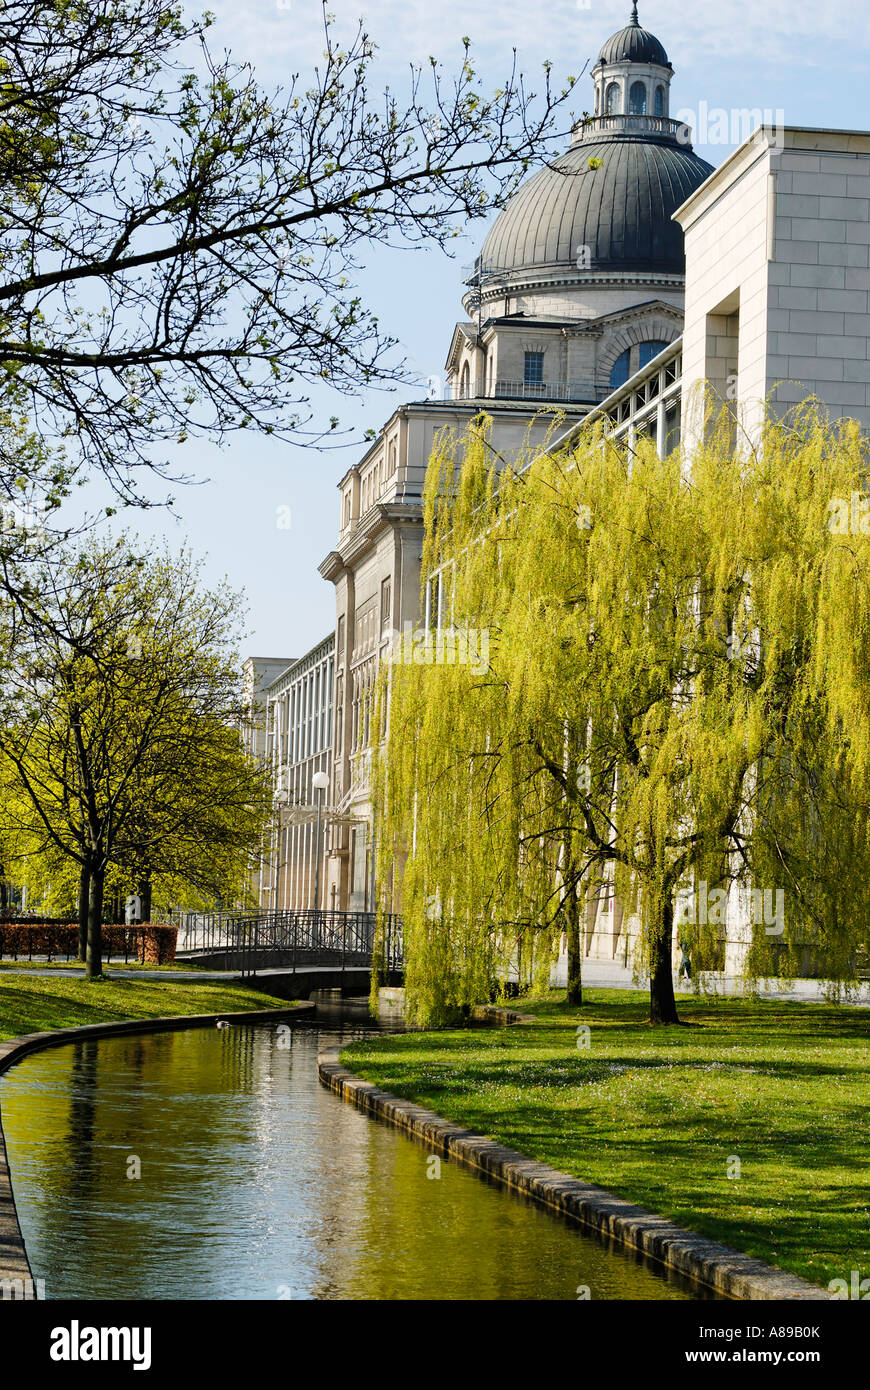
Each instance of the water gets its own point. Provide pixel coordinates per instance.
(258, 1183)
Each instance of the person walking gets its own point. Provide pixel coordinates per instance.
(685, 961)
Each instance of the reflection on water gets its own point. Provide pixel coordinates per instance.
(256, 1182)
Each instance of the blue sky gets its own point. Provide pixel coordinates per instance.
(808, 61)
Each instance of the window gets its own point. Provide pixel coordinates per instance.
(364, 634)
(660, 100)
(533, 368)
(464, 383)
(611, 100)
(619, 371)
(339, 640)
(637, 99)
(346, 518)
(672, 429)
(647, 351)
(386, 602)
(339, 713)
(391, 457)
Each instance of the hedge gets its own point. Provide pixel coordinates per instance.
(152, 942)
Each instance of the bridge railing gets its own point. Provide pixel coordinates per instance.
(251, 940)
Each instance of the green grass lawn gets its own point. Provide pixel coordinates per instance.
(33, 1004)
(658, 1115)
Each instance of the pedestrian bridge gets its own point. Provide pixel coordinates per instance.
(301, 942)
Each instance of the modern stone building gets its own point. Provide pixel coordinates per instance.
(778, 274)
(777, 310)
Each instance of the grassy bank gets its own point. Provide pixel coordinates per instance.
(662, 1116)
(32, 1004)
(108, 965)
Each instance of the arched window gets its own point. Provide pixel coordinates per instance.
(619, 370)
(637, 99)
(464, 382)
(647, 351)
(660, 100)
(611, 99)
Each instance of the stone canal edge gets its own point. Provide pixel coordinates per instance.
(717, 1266)
(16, 1279)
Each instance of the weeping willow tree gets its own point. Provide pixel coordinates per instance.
(650, 674)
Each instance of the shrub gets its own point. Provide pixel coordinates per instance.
(151, 942)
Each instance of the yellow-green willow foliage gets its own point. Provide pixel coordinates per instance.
(677, 692)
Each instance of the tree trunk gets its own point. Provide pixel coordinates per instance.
(84, 896)
(662, 1005)
(574, 992)
(145, 897)
(94, 968)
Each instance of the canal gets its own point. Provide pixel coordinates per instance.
(212, 1164)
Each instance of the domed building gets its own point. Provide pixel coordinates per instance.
(577, 309)
(581, 278)
(579, 284)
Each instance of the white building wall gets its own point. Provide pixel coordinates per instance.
(726, 231)
(783, 231)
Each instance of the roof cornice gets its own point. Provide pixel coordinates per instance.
(366, 532)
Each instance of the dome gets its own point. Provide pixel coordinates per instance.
(621, 210)
(633, 45)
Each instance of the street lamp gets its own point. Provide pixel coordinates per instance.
(280, 800)
(320, 781)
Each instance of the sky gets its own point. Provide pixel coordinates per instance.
(807, 62)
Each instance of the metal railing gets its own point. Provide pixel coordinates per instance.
(502, 389)
(254, 940)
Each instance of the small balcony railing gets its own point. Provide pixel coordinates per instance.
(595, 126)
(544, 391)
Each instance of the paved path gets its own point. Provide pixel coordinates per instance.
(597, 974)
(229, 977)
(605, 974)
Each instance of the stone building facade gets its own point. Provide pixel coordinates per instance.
(292, 732)
(579, 284)
(617, 282)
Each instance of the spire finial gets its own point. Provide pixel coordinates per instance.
(634, 18)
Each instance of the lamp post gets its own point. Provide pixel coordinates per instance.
(320, 781)
(281, 801)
